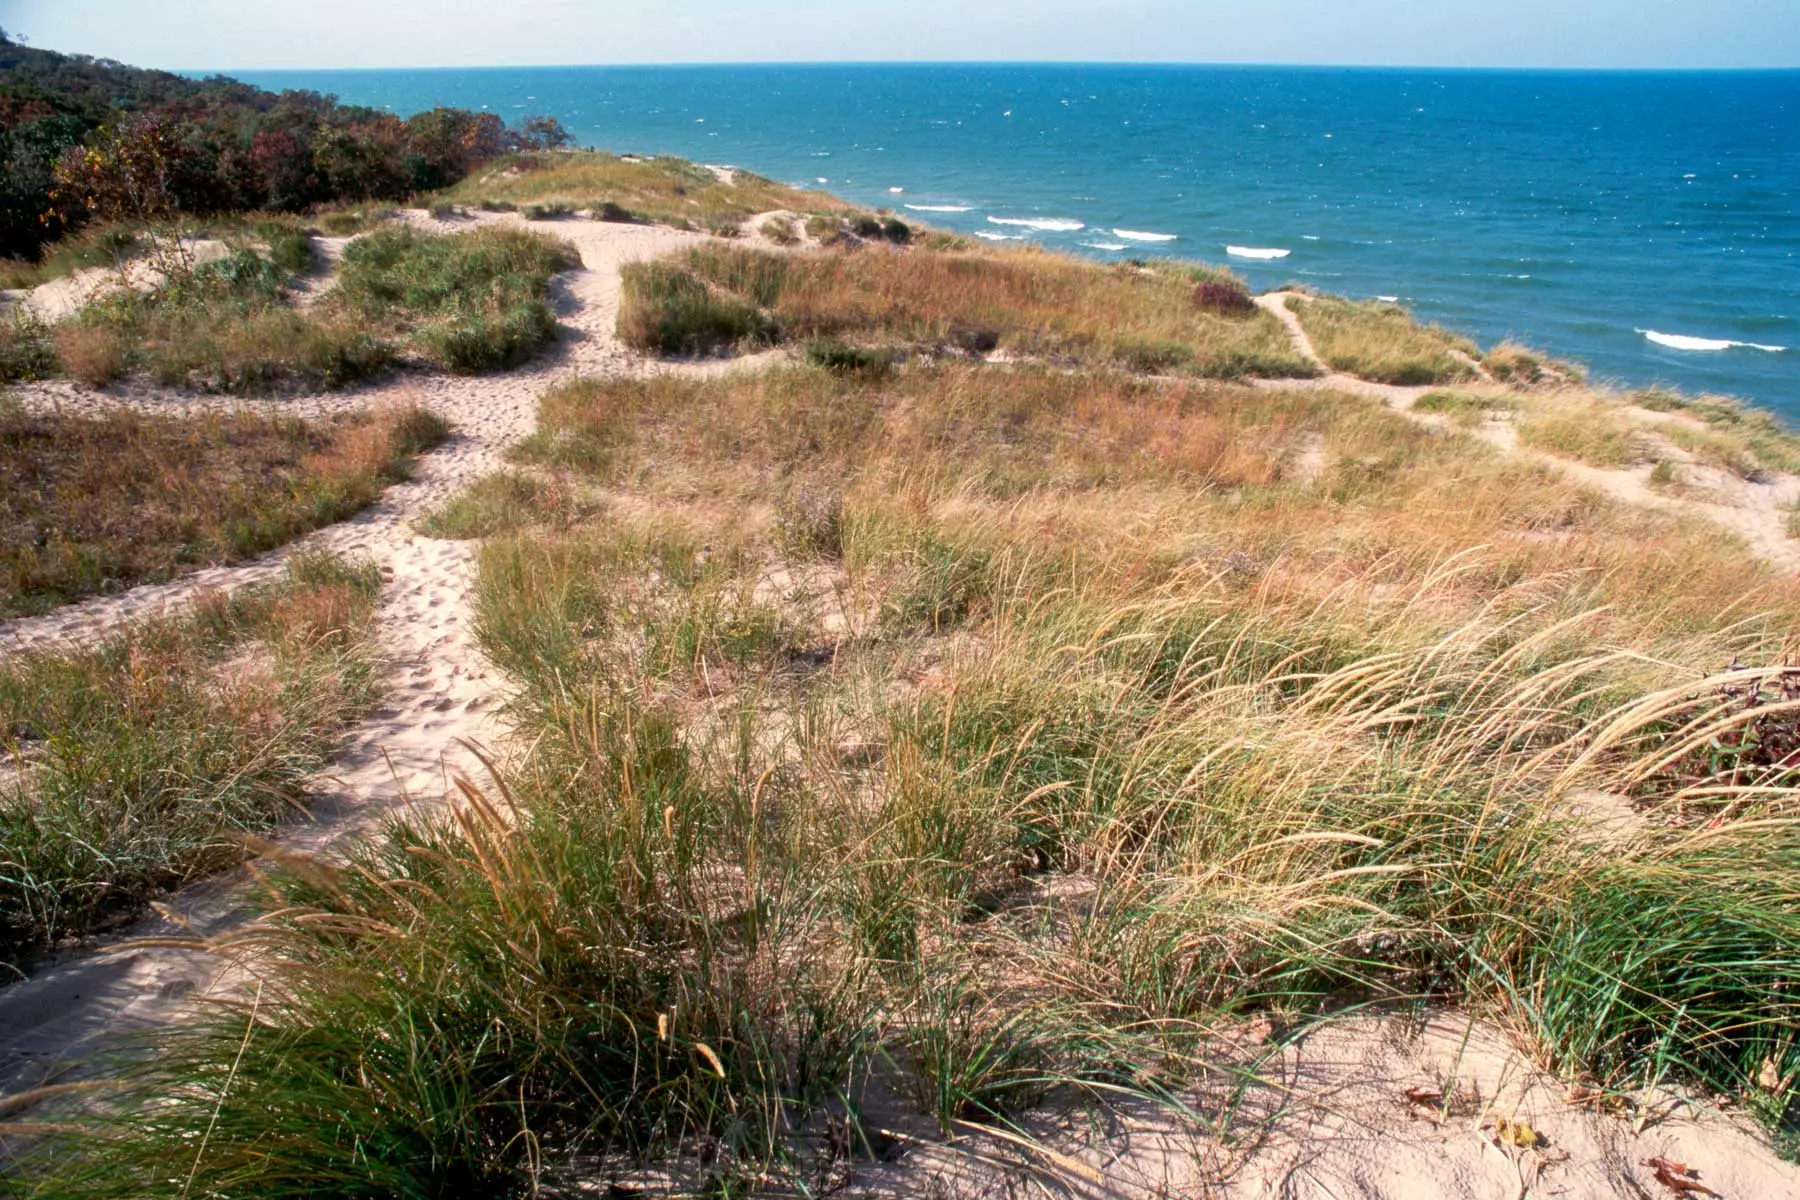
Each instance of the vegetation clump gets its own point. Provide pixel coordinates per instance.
(98, 504)
(1030, 304)
(148, 760)
(469, 302)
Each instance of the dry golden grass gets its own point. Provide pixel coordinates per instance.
(664, 190)
(1023, 302)
(1381, 342)
(97, 504)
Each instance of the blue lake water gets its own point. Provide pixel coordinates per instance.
(1572, 210)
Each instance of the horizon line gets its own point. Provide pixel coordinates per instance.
(1164, 64)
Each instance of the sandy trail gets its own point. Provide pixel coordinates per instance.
(438, 689)
(1755, 510)
(1331, 1117)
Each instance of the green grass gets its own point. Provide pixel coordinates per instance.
(470, 302)
(98, 246)
(93, 505)
(143, 762)
(497, 503)
(221, 327)
(961, 300)
(1382, 343)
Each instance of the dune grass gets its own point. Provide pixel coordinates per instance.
(93, 505)
(663, 190)
(222, 326)
(141, 764)
(1023, 302)
(469, 302)
(103, 245)
(954, 741)
(1382, 343)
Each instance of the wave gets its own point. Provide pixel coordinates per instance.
(1388, 299)
(999, 237)
(1104, 245)
(1680, 341)
(1256, 252)
(1135, 235)
(940, 207)
(1046, 224)
(895, 191)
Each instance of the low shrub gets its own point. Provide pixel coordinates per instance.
(1511, 363)
(27, 348)
(547, 210)
(613, 211)
(1220, 296)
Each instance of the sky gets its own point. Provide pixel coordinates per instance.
(227, 35)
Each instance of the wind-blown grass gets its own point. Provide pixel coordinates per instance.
(98, 504)
(1027, 303)
(1076, 728)
(1381, 342)
(142, 763)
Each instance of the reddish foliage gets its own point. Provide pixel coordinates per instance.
(1213, 295)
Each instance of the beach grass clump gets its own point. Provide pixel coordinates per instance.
(1029, 304)
(222, 326)
(1511, 363)
(1382, 342)
(144, 762)
(1585, 427)
(468, 302)
(667, 309)
(663, 190)
(1727, 431)
(494, 504)
(93, 505)
(779, 230)
(1465, 408)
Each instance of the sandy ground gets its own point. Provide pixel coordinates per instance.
(1346, 1111)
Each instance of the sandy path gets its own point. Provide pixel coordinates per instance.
(438, 688)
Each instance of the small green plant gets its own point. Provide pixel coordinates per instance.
(27, 349)
(843, 359)
(547, 210)
(670, 310)
(612, 210)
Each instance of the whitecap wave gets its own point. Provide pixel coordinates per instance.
(940, 208)
(989, 235)
(1388, 299)
(1138, 235)
(1104, 245)
(1681, 341)
(1046, 224)
(1256, 252)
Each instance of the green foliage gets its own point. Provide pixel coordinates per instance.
(471, 302)
(668, 310)
(151, 757)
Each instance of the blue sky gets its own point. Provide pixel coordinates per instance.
(246, 34)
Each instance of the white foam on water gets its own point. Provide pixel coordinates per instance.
(822, 179)
(1681, 341)
(1309, 237)
(1104, 245)
(1138, 235)
(940, 207)
(1388, 299)
(1047, 224)
(1256, 252)
(895, 191)
(991, 236)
